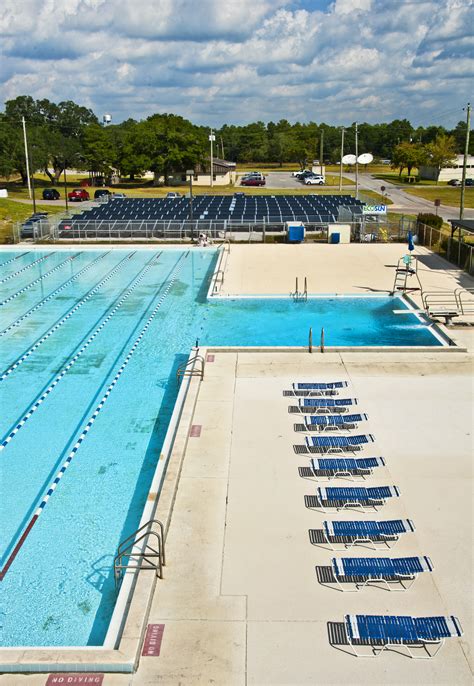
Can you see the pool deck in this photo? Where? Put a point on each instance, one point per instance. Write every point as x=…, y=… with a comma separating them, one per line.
x=240, y=602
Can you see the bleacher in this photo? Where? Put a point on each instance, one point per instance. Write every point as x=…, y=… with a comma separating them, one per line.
x=138, y=215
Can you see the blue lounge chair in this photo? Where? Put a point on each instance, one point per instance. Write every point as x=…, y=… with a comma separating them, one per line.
x=346, y=422
x=342, y=498
x=382, y=632
x=325, y=405
x=398, y=574
x=345, y=534
x=337, y=444
x=315, y=389
x=345, y=467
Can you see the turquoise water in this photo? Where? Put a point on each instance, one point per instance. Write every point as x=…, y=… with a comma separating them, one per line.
x=67, y=328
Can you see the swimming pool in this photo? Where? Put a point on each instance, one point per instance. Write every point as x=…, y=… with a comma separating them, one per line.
x=89, y=346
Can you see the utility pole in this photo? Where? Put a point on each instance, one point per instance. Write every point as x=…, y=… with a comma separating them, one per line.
x=26, y=156
x=466, y=150
x=357, y=155
x=222, y=148
x=212, y=138
x=342, y=155
x=321, y=152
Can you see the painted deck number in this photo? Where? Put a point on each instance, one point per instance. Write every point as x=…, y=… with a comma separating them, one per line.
x=210, y=358
x=153, y=638
x=65, y=679
x=195, y=431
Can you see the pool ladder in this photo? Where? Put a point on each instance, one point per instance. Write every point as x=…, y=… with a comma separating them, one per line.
x=300, y=295
x=192, y=367
x=135, y=552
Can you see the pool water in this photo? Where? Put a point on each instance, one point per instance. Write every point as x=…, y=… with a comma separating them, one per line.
x=89, y=346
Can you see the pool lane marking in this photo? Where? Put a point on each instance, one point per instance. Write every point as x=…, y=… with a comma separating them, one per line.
x=23, y=269
x=67, y=316
x=18, y=321
x=33, y=283
x=91, y=420
x=12, y=259
x=21, y=423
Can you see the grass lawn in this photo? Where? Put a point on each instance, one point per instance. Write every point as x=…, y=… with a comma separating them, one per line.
x=11, y=212
x=447, y=194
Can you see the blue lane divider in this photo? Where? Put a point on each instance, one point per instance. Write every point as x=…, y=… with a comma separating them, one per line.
x=11, y=434
x=67, y=316
x=12, y=259
x=43, y=276
x=23, y=269
x=91, y=420
x=18, y=321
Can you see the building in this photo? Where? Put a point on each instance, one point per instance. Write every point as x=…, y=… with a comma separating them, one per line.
x=452, y=171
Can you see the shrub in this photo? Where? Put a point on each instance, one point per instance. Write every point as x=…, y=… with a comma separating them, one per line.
x=430, y=220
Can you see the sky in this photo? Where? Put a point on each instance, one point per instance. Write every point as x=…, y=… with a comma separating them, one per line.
x=239, y=61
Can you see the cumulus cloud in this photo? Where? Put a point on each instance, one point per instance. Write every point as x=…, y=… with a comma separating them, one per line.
x=236, y=62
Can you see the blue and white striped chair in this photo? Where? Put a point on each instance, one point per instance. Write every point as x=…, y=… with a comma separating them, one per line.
x=341, y=422
x=345, y=467
x=337, y=444
x=315, y=389
x=325, y=405
x=341, y=535
x=398, y=574
x=382, y=632
x=355, y=496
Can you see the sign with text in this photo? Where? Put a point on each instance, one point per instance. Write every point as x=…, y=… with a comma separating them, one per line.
x=153, y=638
x=374, y=209
x=72, y=679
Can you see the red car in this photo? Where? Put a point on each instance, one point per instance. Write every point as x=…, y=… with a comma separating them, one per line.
x=78, y=195
x=253, y=181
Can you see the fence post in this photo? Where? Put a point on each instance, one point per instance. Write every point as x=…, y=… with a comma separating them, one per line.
x=431, y=236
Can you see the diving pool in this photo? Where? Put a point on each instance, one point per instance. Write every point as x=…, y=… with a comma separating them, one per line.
x=90, y=341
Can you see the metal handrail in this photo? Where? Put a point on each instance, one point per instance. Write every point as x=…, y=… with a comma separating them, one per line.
x=458, y=294
x=310, y=340
x=322, y=339
x=184, y=371
x=144, y=554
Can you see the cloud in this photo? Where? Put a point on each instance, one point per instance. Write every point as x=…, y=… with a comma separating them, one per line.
x=220, y=62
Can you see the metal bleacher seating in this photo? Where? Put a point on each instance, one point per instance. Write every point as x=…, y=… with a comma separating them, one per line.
x=139, y=214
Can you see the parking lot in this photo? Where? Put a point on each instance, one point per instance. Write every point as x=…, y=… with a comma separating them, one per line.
x=283, y=179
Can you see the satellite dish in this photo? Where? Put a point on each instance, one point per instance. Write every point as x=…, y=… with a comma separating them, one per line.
x=107, y=118
x=349, y=159
x=365, y=158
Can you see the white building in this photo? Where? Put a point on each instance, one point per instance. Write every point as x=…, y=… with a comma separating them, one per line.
x=452, y=171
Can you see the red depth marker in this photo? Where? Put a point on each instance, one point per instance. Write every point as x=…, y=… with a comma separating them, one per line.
x=66, y=679
x=153, y=638
x=195, y=431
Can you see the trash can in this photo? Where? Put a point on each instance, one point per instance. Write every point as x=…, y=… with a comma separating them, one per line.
x=335, y=238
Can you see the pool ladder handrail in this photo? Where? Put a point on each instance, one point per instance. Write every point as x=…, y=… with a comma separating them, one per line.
x=300, y=295
x=195, y=370
x=144, y=555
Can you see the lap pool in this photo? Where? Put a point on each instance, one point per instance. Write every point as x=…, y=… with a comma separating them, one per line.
x=89, y=346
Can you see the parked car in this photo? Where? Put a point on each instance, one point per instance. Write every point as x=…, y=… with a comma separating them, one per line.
x=78, y=195
x=469, y=182
x=51, y=194
x=117, y=195
x=101, y=192
x=174, y=194
x=253, y=181
x=454, y=182
x=31, y=224
x=301, y=172
x=315, y=180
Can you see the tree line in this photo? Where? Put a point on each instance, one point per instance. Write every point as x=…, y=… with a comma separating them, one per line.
x=68, y=135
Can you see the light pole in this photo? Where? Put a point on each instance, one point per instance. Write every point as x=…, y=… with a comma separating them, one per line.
x=65, y=187
x=466, y=152
x=212, y=138
x=26, y=156
x=33, y=184
x=342, y=155
x=190, y=173
x=357, y=157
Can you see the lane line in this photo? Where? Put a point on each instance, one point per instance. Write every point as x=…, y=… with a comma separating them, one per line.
x=23, y=269
x=12, y=259
x=21, y=423
x=91, y=420
x=33, y=283
x=18, y=321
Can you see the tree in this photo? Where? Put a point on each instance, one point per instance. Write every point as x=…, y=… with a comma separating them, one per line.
x=441, y=153
x=408, y=155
